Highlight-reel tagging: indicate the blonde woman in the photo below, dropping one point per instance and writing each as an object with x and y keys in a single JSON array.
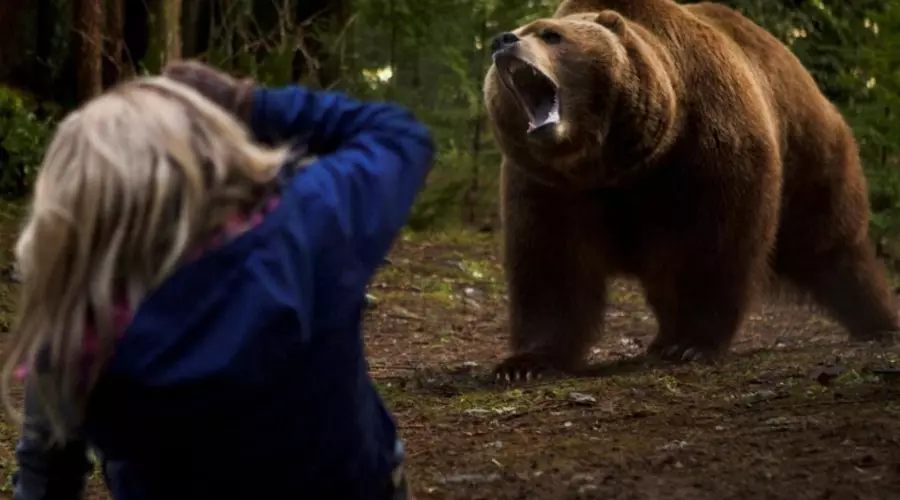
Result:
[{"x": 191, "y": 301}]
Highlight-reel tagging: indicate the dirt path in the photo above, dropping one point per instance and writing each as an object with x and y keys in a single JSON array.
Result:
[
  {"x": 794, "y": 413},
  {"x": 774, "y": 421}
]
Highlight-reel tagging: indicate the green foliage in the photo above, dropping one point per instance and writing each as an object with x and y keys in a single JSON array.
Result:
[
  {"x": 23, "y": 136},
  {"x": 434, "y": 53},
  {"x": 431, "y": 55}
]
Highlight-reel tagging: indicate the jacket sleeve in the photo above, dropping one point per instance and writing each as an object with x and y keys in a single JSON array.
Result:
[
  {"x": 373, "y": 158},
  {"x": 45, "y": 471}
]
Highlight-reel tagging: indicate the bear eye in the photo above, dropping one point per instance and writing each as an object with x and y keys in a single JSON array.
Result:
[{"x": 550, "y": 37}]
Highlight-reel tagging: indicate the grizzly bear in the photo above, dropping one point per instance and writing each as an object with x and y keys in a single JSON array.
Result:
[{"x": 682, "y": 146}]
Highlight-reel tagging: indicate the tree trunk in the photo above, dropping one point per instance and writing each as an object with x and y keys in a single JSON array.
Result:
[
  {"x": 115, "y": 67},
  {"x": 332, "y": 64},
  {"x": 87, "y": 42},
  {"x": 190, "y": 43},
  {"x": 12, "y": 12},
  {"x": 472, "y": 193},
  {"x": 137, "y": 31},
  {"x": 309, "y": 16},
  {"x": 47, "y": 68},
  {"x": 170, "y": 30}
]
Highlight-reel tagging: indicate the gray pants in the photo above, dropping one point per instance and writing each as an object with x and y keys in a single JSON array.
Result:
[{"x": 398, "y": 475}]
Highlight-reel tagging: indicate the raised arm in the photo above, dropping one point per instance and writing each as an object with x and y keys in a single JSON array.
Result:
[{"x": 373, "y": 158}]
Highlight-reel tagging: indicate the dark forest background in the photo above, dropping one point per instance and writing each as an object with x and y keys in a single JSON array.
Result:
[{"x": 428, "y": 54}]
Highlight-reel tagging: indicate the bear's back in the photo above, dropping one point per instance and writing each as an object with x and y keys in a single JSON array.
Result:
[
  {"x": 812, "y": 133},
  {"x": 792, "y": 90},
  {"x": 816, "y": 141}
]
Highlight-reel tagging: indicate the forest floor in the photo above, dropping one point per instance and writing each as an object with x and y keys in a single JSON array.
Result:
[{"x": 795, "y": 411}]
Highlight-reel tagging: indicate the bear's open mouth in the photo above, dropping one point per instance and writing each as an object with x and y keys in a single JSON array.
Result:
[{"x": 536, "y": 93}]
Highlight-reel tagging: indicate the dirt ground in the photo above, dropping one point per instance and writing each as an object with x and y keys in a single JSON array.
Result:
[{"x": 795, "y": 412}]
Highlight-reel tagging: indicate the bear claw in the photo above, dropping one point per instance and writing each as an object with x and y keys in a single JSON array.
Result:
[
  {"x": 521, "y": 368},
  {"x": 516, "y": 376},
  {"x": 683, "y": 353}
]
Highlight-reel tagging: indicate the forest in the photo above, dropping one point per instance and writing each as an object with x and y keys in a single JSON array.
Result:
[
  {"x": 796, "y": 415},
  {"x": 427, "y": 54}
]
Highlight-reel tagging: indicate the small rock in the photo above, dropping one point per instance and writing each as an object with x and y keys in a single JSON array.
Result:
[
  {"x": 402, "y": 313},
  {"x": 788, "y": 421},
  {"x": 587, "y": 488},
  {"x": 827, "y": 374},
  {"x": 471, "y": 303},
  {"x": 630, "y": 343},
  {"x": 674, "y": 445},
  {"x": 469, "y": 478},
  {"x": 582, "y": 399},
  {"x": 761, "y": 395}
]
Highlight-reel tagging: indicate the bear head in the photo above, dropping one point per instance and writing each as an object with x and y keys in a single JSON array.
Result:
[{"x": 586, "y": 95}]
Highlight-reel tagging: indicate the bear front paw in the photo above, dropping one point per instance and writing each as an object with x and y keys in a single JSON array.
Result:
[{"x": 524, "y": 367}]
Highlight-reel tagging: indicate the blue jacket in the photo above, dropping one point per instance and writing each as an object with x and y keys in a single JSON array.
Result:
[{"x": 243, "y": 376}]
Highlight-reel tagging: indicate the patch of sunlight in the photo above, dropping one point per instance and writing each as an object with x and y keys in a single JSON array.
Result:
[
  {"x": 870, "y": 83},
  {"x": 670, "y": 384},
  {"x": 854, "y": 377},
  {"x": 494, "y": 402},
  {"x": 872, "y": 25},
  {"x": 379, "y": 76},
  {"x": 474, "y": 268},
  {"x": 796, "y": 33},
  {"x": 893, "y": 409}
]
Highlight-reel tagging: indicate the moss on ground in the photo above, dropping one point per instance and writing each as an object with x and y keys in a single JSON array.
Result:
[{"x": 794, "y": 412}]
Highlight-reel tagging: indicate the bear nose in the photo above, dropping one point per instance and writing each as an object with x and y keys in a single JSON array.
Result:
[{"x": 502, "y": 41}]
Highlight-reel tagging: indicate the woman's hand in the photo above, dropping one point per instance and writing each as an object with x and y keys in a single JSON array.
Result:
[{"x": 235, "y": 95}]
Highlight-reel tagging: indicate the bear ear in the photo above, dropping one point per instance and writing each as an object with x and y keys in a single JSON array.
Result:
[{"x": 612, "y": 21}]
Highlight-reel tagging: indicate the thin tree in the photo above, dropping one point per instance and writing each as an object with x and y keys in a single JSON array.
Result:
[
  {"x": 87, "y": 42},
  {"x": 115, "y": 65},
  {"x": 170, "y": 29}
]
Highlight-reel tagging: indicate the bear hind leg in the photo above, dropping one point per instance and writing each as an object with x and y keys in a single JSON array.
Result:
[
  {"x": 698, "y": 318},
  {"x": 849, "y": 284}
]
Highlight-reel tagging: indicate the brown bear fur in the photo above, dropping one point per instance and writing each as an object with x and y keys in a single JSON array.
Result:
[{"x": 694, "y": 153}]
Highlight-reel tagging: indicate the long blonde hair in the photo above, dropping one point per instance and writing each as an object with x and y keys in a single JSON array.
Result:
[{"x": 131, "y": 183}]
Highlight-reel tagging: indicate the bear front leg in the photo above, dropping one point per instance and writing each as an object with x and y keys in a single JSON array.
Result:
[{"x": 555, "y": 277}]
